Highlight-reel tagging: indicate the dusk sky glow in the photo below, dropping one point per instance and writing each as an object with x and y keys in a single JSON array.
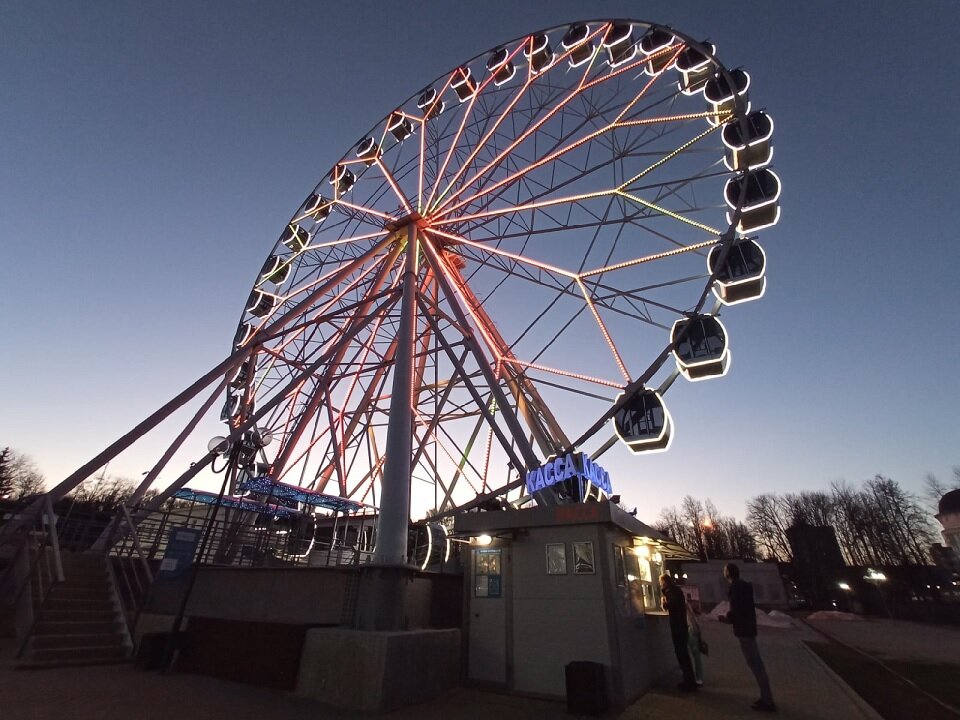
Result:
[{"x": 152, "y": 152}]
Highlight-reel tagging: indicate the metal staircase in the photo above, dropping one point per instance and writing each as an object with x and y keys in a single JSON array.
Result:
[{"x": 81, "y": 620}]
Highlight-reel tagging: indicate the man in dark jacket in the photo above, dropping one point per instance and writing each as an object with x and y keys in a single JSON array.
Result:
[
  {"x": 676, "y": 605},
  {"x": 743, "y": 617}
]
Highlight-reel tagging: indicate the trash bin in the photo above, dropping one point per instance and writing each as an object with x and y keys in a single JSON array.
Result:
[
  {"x": 152, "y": 651},
  {"x": 586, "y": 688}
]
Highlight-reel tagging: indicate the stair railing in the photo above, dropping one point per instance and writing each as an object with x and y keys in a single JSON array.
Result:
[{"x": 35, "y": 542}]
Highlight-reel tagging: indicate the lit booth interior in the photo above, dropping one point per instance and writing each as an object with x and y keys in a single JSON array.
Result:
[{"x": 573, "y": 583}]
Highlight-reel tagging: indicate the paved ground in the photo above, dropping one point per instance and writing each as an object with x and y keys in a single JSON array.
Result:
[
  {"x": 897, "y": 640},
  {"x": 803, "y": 687}
]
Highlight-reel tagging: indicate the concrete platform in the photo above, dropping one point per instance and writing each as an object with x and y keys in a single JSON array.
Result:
[
  {"x": 804, "y": 689},
  {"x": 378, "y": 671}
]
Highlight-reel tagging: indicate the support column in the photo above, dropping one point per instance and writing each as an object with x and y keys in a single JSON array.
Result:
[
  {"x": 381, "y": 599},
  {"x": 395, "y": 496}
]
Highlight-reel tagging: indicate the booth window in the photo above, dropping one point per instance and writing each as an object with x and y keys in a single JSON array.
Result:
[
  {"x": 487, "y": 573},
  {"x": 619, "y": 572}
]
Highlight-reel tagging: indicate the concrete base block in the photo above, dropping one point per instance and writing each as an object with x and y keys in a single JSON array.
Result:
[{"x": 378, "y": 671}]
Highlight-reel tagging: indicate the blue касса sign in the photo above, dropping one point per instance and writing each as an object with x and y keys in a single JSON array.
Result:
[{"x": 565, "y": 467}]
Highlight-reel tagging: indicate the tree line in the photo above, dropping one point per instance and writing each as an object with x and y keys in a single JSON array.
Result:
[{"x": 878, "y": 523}]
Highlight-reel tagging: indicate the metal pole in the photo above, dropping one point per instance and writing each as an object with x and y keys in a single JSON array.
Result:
[
  {"x": 395, "y": 497},
  {"x": 54, "y": 540}
]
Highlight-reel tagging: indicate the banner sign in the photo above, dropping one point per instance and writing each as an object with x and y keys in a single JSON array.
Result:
[{"x": 567, "y": 467}]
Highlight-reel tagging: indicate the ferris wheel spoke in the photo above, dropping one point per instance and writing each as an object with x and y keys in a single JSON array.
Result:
[
  {"x": 446, "y": 208},
  {"x": 468, "y": 162}
]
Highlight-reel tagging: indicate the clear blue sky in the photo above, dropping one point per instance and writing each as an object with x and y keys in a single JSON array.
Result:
[{"x": 150, "y": 153}]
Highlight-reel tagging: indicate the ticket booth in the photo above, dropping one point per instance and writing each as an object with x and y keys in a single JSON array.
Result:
[{"x": 574, "y": 583}]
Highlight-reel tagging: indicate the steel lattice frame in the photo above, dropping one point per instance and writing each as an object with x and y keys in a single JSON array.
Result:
[{"x": 568, "y": 214}]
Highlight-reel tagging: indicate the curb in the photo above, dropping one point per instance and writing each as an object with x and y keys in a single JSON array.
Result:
[{"x": 865, "y": 708}]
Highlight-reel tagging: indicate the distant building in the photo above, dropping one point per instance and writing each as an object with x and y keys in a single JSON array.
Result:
[
  {"x": 707, "y": 577},
  {"x": 949, "y": 517},
  {"x": 817, "y": 563}
]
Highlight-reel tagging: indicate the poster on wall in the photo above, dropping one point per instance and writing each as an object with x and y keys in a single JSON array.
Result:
[
  {"x": 556, "y": 559},
  {"x": 486, "y": 573},
  {"x": 583, "y": 562}
]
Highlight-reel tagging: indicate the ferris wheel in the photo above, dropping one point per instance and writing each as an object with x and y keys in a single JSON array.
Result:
[{"x": 550, "y": 229}]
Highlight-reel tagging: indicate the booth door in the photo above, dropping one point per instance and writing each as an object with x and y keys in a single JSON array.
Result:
[{"x": 488, "y": 617}]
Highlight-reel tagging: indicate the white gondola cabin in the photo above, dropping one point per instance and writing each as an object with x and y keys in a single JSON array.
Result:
[
  {"x": 463, "y": 83},
  {"x": 430, "y": 103},
  {"x": 620, "y": 45},
  {"x": 655, "y": 46},
  {"x": 695, "y": 69},
  {"x": 295, "y": 237},
  {"x": 644, "y": 423},
  {"x": 399, "y": 126},
  {"x": 538, "y": 53},
  {"x": 275, "y": 270},
  {"x": 316, "y": 207},
  {"x": 368, "y": 151},
  {"x": 700, "y": 347},
  {"x": 342, "y": 179},
  {"x": 575, "y": 42},
  {"x": 748, "y": 142},
  {"x": 742, "y": 276},
  {"x": 262, "y": 303},
  {"x": 760, "y": 194},
  {"x": 722, "y": 93},
  {"x": 501, "y": 66}
]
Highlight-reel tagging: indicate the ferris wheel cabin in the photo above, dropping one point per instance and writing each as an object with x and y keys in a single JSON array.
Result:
[
  {"x": 741, "y": 277},
  {"x": 644, "y": 423},
  {"x": 695, "y": 69},
  {"x": 655, "y": 46},
  {"x": 759, "y": 191},
  {"x": 748, "y": 142},
  {"x": 700, "y": 347},
  {"x": 722, "y": 93}
]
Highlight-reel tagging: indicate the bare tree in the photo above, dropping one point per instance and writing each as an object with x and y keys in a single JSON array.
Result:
[
  {"x": 6, "y": 474},
  {"x": 768, "y": 519},
  {"x": 25, "y": 477},
  {"x": 934, "y": 488}
]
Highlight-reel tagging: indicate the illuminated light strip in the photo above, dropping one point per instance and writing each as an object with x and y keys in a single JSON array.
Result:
[
  {"x": 668, "y": 213},
  {"x": 367, "y": 211},
  {"x": 669, "y": 156},
  {"x": 393, "y": 185},
  {"x": 516, "y": 208},
  {"x": 537, "y": 126},
  {"x": 650, "y": 258},
  {"x": 446, "y": 535},
  {"x": 672, "y": 118},
  {"x": 526, "y": 84},
  {"x": 423, "y": 133},
  {"x": 486, "y": 460},
  {"x": 313, "y": 212},
  {"x": 426, "y": 560},
  {"x": 332, "y": 243},
  {"x": 603, "y": 329},
  {"x": 504, "y": 253},
  {"x": 355, "y": 238},
  {"x": 463, "y": 122},
  {"x": 314, "y": 319},
  {"x": 566, "y": 373},
  {"x": 529, "y": 131},
  {"x": 466, "y": 164},
  {"x": 647, "y": 86},
  {"x": 539, "y": 163},
  {"x": 454, "y": 281},
  {"x": 430, "y": 434}
]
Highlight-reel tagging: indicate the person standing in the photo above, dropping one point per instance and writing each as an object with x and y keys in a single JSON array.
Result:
[
  {"x": 676, "y": 605},
  {"x": 743, "y": 617}
]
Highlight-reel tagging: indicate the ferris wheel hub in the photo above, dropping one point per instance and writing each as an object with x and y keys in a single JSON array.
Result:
[{"x": 400, "y": 223}]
